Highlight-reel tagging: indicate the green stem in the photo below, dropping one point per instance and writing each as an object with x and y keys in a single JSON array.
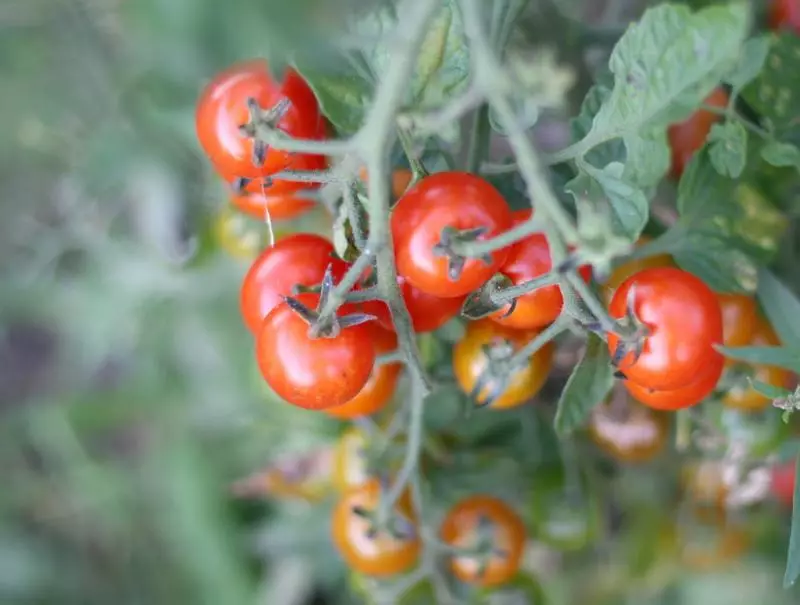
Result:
[
  {"x": 541, "y": 339},
  {"x": 591, "y": 301},
  {"x": 417, "y": 168},
  {"x": 306, "y": 176},
  {"x": 441, "y": 117},
  {"x": 491, "y": 168},
  {"x": 478, "y": 248},
  {"x": 478, "y": 140},
  {"x": 731, "y": 114},
  {"x": 508, "y": 294}
]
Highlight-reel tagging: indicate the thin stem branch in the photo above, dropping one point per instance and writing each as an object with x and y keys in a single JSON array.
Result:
[
  {"x": 478, "y": 248},
  {"x": 417, "y": 168},
  {"x": 492, "y": 168},
  {"x": 280, "y": 140},
  {"x": 306, "y": 176},
  {"x": 445, "y": 115},
  {"x": 542, "y": 338},
  {"x": 591, "y": 301},
  {"x": 478, "y": 139},
  {"x": 731, "y": 114},
  {"x": 508, "y": 294}
]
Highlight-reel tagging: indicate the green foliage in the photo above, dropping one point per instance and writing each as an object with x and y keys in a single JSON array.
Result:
[
  {"x": 781, "y": 305},
  {"x": 728, "y": 151},
  {"x": 793, "y": 562},
  {"x": 773, "y": 94}
]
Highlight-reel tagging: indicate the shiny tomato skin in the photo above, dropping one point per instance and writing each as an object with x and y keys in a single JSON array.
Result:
[
  {"x": 298, "y": 259},
  {"x": 428, "y": 313},
  {"x": 311, "y": 373},
  {"x": 528, "y": 259},
  {"x": 782, "y": 483},
  {"x": 682, "y": 397},
  {"x": 381, "y": 384},
  {"x": 628, "y": 268},
  {"x": 785, "y": 14},
  {"x": 739, "y": 319},
  {"x": 460, "y": 527},
  {"x": 222, "y": 109},
  {"x": 684, "y": 321},
  {"x": 455, "y": 199},
  {"x": 276, "y": 206},
  {"x": 687, "y": 137},
  {"x": 745, "y": 398},
  {"x": 470, "y": 361},
  {"x": 381, "y": 555}
]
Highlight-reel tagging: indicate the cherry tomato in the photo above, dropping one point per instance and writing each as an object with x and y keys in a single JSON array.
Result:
[
  {"x": 627, "y": 269},
  {"x": 782, "y": 485},
  {"x": 686, "y": 137},
  {"x": 446, "y": 199},
  {"x": 739, "y": 319},
  {"x": 280, "y": 206},
  {"x": 629, "y": 432},
  {"x": 383, "y": 553},
  {"x": 237, "y": 234},
  {"x": 299, "y": 259},
  {"x": 315, "y": 373},
  {"x": 473, "y": 522},
  {"x": 428, "y": 313},
  {"x": 528, "y": 259},
  {"x": 222, "y": 110},
  {"x": 682, "y": 397},
  {"x": 401, "y": 178},
  {"x": 743, "y": 396},
  {"x": 684, "y": 321},
  {"x": 381, "y": 384},
  {"x": 470, "y": 361},
  {"x": 785, "y": 14}
]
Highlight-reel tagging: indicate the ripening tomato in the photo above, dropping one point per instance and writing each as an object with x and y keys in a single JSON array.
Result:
[
  {"x": 480, "y": 522},
  {"x": 446, "y": 199},
  {"x": 686, "y": 137},
  {"x": 313, "y": 373},
  {"x": 238, "y": 235},
  {"x": 528, "y": 259},
  {"x": 280, "y": 206},
  {"x": 401, "y": 178},
  {"x": 385, "y": 552},
  {"x": 683, "y": 321},
  {"x": 629, "y": 432},
  {"x": 683, "y": 397},
  {"x": 782, "y": 484},
  {"x": 626, "y": 269},
  {"x": 471, "y": 358},
  {"x": 743, "y": 396},
  {"x": 739, "y": 319},
  {"x": 381, "y": 384},
  {"x": 298, "y": 259},
  {"x": 785, "y": 14},
  {"x": 222, "y": 110},
  {"x": 428, "y": 313}
]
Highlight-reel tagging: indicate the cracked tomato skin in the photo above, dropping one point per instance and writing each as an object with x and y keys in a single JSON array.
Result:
[
  {"x": 298, "y": 259},
  {"x": 687, "y": 137},
  {"x": 381, "y": 384},
  {"x": 470, "y": 361},
  {"x": 528, "y": 259},
  {"x": 316, "y": 373},
  {"x": 682, "y": 397},
  {"x": 381, "y": 555},
  {"x": 428, "y": 313},
  {"x": 684, "y": 321},
  {"x": 222, "y": 109},
  {"x": 446, "y": 199},
  {"x": 785, "y": 14},
  {"x": 460, "y": 529}
]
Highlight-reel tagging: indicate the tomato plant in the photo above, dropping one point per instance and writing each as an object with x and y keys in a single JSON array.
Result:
[
  {"x": 428, "y": 313},
  {"x": 628, "y": 268},
  {"x": 481, "y": 356},
  {"x": 686, "y": 137},
  {"x": 491, "y": 536},
  {"x": 681, "y": 321},
  {"x": 420, "y": 221},
  {"x": 739, "y": 318}
]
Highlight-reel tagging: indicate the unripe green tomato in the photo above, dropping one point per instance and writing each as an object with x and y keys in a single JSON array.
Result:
[
  {"x": 523, "y": 589},
  {"x": 566, "y": 519}
]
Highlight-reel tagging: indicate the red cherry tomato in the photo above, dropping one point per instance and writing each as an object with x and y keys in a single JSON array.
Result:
[
  {"x": 299, "y": 259},
  {"x": 381, "y": 384},
  {"x": 684, "y": 321},
  {"x": 281, "y": 206},
  {"x": 686, "y": 137},
  {"x": 739, "y": 319},
  {"x": 366, "y": 551},
  {"x": 314, "y": 373},
  {"x": 446, "y": 199},
  {"x": 783, "y": 476},
  {"x": 626, "y": 269},
  {"x": 222, "y": 109},
  {"x": 682, "y": 397},
  {"x": 462, "y": 528},
  {"x": 428, "y": 313},
  {"x": 528, "y": 259},
  {"x": 785, "y": 14}
]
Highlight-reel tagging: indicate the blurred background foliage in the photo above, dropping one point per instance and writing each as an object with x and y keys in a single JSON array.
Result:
[{"x": 128, "y": 400}]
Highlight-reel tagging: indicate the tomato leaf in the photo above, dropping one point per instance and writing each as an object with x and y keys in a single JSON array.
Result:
[
  {"x": 793, "y": 558},
  {"x": 769, "y": 390},
  {"x": 781, "y": 154},
  {"x": 728, "y": 151},
  {"x": 781, "y": 357},
  {"x": 775, "y": 93},
  {"x": 588, "y": 385},
  {"x": 715, "y": 260},
  {"x": 671, "y": 58},
  {"x": 751, "y": 61},
  {"x": 781, "y": 306}
]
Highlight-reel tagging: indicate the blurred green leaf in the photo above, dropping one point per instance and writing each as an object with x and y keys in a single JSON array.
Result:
[
  {"x": 751, "y": 61},
  {"x": 781, "y": 357},
  {"x": 587, "y": 387},
  {"x": 777, "y": 153},
  {"x": 782, "y": 307},
  {"x": 728, "y": 148},
  {"x": 769, "y": 390},
  {"x": 774, "y": 93},
  {"x": 793, "y": 558}
]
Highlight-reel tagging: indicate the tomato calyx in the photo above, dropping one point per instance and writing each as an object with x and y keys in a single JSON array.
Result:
[
  {"x": 489, "y": 299},
  {"x": 448, "y": 246},
  {"x": 397, "y": 525},
  {"x": 502, "y": 364},
  {"x": 632, "y": 334},
  {"x": 259, "y": 118},
  {"x": 323, "y": 325},
  {"x": 482, "y": 547}
]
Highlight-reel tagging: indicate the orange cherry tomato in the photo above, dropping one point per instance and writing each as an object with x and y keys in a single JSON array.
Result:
[
  {"x": 739, "y": 319},
  {"x": 475, "y": 520},
  {"x": 686, "y": 137},
  {"x": 470, "y": 361},
  {"x": 369, "y": 550}
]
